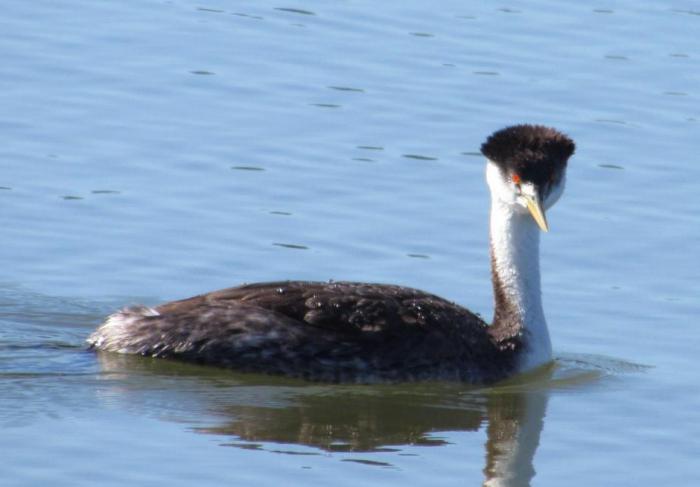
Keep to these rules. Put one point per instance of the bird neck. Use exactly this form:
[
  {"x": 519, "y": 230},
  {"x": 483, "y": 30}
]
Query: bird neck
[{"x": 518, "y": 318}]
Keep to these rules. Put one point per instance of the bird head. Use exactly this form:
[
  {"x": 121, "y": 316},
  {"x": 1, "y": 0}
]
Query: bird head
[{"x": 527, "y": 168}]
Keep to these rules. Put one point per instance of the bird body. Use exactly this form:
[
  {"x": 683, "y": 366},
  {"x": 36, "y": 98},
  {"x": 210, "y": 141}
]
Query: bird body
[
  {"x": 361, "y": 332},
  {"x": 328, "y": 331}
]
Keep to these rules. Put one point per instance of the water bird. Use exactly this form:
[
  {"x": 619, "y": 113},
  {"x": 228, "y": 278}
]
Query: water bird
[{"x": 365, "y": 332}]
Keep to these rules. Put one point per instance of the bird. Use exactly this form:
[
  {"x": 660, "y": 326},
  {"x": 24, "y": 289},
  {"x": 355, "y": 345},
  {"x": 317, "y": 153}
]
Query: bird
[{"x": 354, "y": 332}]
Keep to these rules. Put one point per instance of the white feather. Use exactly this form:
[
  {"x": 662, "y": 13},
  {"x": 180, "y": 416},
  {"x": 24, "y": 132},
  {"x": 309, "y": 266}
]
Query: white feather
[
  {"x": 116, "y": 329},
  {"x": 515, "y": 240}
]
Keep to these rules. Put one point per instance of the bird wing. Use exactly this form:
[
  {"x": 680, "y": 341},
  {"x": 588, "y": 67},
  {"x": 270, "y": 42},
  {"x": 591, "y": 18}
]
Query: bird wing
[{"x": 342, "y": 307}]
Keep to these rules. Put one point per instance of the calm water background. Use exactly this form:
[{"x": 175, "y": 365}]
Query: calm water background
[{"x": 152, "y": 150}]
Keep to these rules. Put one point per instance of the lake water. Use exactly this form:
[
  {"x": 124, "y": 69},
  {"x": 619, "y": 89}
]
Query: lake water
[{"x": 152, "y": 150}]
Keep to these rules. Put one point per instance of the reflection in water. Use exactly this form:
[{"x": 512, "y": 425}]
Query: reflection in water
[
  {"x": 515, "y": 421},
  {"x": 350, "y": 421},
  {"x": 260, "y": 409}
]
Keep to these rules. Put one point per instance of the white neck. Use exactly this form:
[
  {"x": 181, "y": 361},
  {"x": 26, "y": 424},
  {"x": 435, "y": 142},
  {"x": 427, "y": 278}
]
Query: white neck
[{"x": 515, "y": 259}]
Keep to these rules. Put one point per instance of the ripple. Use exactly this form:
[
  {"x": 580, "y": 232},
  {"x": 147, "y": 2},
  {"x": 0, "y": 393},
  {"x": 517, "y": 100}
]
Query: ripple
[
  {"x": 487, "y": 73},
  {"x": 610, "y": 166},
  {"x": 362, "y": 159},
  {"x": 325, "y": 105},
  {"x": 370, "y": 147},
  {"x": 419, "y": 157},
  {"x": 248, "y": 168},
  {"x": 46, "y": 345},
  {"x": 202, "y": 72},
  {"x": 347, "y": 88},
  {"x": 245, "y": 446},
  {"x": 298, "y": 453},
  {"x": 295, "y": 11},
  {"x": 688, "y": 12},
  {"x": 569, "y": 371},
  {"x": 610, "y": 120},
  {"x": 373, "y": 463},
  {"x": 105, "y": 191},
  {"x": 418, "y": 256},
  {"x": 241, "y": 14},
  {"x": 586, "y": 361},
  {"x": 213, "y": 10},
  {"x": 72, "y": 197},
  {"x": 281, "y": 213},
  {"x": 290, "y": 246},
  {"x": 422, "y": 34}
]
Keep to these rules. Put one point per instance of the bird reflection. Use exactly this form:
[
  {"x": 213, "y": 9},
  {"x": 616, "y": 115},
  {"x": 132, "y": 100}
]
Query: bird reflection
[
  {"x": 359, "y": 422},
  {"x": 515, "y": 422},
  {"x": 264, "y": 409},
  {"x": 377, "y": 422}
]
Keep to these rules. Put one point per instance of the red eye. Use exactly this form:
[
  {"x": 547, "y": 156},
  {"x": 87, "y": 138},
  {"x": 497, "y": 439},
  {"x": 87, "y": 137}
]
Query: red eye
[{"x": 516, "y": 179}]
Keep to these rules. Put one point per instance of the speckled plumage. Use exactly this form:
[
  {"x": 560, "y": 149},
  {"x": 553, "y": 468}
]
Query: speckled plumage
[{"x": 336, "y": 332}]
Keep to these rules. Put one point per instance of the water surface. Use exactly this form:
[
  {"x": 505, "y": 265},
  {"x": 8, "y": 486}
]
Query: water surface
[{"x": 155, "y": 150}]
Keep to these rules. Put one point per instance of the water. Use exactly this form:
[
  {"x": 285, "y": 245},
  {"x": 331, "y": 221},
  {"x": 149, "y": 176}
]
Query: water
[{"x": 154, "y": 150}]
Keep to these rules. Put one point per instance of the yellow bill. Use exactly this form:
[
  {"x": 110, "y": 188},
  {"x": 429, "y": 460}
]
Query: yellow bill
[{"x": 533, "y": 204}]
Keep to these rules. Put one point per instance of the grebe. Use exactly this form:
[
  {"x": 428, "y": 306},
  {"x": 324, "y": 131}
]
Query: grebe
[{"x": 358, "y": 332}]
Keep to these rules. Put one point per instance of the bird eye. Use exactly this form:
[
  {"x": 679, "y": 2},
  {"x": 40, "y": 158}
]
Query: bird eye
[{"x": 516, "y": 179}]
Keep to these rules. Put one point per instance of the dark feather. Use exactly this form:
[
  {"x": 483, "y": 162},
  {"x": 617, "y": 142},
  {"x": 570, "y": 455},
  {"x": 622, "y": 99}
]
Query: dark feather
[
  {"x": 535, "y": 153},
  {"x": 337, "y": 331}
]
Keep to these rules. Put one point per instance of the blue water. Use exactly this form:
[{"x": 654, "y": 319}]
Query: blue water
[{"x": 155, "y": 150}]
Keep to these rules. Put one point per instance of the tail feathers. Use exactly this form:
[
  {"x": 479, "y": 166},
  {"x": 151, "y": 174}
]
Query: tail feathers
[{"x": 116, "y": 334}]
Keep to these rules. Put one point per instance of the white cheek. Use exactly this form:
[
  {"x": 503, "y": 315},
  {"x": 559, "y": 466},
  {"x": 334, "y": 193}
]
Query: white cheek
[
  {"x": 522, "y": 202},
  {"x": 501, "y": 189},
  {"x": 527, "y": 189}
]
